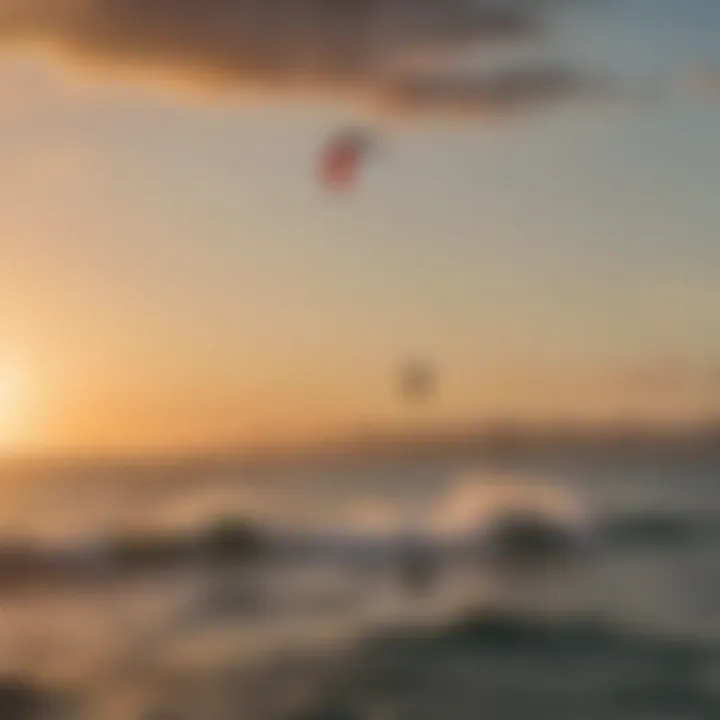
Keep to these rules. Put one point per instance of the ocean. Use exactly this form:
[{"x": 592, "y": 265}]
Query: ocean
[{"x": 324, "y": 625}]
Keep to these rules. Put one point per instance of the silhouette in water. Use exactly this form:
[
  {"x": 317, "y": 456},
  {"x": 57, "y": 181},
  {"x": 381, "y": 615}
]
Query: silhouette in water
[
  {"x": 524, "y": 538},
  {"x": 419, "y": 571}
]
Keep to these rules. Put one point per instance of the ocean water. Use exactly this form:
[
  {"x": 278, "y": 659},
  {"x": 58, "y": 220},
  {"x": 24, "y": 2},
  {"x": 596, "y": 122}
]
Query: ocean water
[{"x": 327, "y": 627}]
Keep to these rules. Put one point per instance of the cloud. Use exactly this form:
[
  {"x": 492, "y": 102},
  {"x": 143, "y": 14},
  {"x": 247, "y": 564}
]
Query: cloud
[{"x": 345, "y": 47}]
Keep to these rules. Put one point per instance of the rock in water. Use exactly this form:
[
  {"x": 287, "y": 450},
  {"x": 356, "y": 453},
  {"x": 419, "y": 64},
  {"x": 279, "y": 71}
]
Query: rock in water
[
  {"x": 20, "y": 699},
  {"x": 528, "y": 538}
]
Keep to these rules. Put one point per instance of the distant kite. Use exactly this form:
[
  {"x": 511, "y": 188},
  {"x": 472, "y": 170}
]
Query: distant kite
[
  {"x": 704, "y": 83},
  {"x": 418, "y": 381},
  {"x": 341, "y": 160}
]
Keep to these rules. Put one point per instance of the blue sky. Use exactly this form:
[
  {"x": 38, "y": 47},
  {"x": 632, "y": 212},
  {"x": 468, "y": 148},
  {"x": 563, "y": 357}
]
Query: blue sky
[{"x": 171, "y": 261}]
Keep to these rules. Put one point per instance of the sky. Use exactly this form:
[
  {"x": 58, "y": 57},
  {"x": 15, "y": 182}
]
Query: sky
[{"x": 173, "y": 273}]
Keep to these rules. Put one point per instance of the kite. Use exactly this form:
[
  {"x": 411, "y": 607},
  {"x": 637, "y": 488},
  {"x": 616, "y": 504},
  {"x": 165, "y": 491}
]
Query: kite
[{"x": 341, "y": 160}]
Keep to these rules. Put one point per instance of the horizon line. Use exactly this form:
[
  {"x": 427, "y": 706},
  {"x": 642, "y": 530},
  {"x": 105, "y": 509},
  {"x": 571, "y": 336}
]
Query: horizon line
[{"x": 387, "y": 437}]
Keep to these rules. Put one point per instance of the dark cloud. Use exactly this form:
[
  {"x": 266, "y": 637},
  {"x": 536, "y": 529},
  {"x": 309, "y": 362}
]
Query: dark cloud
[
  {"x": 498, "y": 94},
  {"x": 353, "y": 46}
]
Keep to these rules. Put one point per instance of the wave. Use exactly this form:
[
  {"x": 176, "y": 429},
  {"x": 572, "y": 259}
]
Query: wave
[
  {"x": 477, "y": 519},
  {"x": 224, "y": 541},
  {"x": 523, "y": 666},
  {"x": 657, "y": 528},
  {"x": 489, "y": 663},
  {"x": 482, "y": 663}
]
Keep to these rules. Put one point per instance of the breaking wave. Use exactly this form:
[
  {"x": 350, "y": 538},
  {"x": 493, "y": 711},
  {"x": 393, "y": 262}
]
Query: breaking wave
[{"x": 463, "y": 523}]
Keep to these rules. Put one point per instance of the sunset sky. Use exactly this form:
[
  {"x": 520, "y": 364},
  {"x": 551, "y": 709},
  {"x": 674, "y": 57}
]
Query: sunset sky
[{"x": 172, "y": 273}]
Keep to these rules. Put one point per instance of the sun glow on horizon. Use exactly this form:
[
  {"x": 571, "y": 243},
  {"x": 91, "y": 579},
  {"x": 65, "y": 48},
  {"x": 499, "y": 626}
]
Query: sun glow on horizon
[{"x": 13, "y": 406}]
